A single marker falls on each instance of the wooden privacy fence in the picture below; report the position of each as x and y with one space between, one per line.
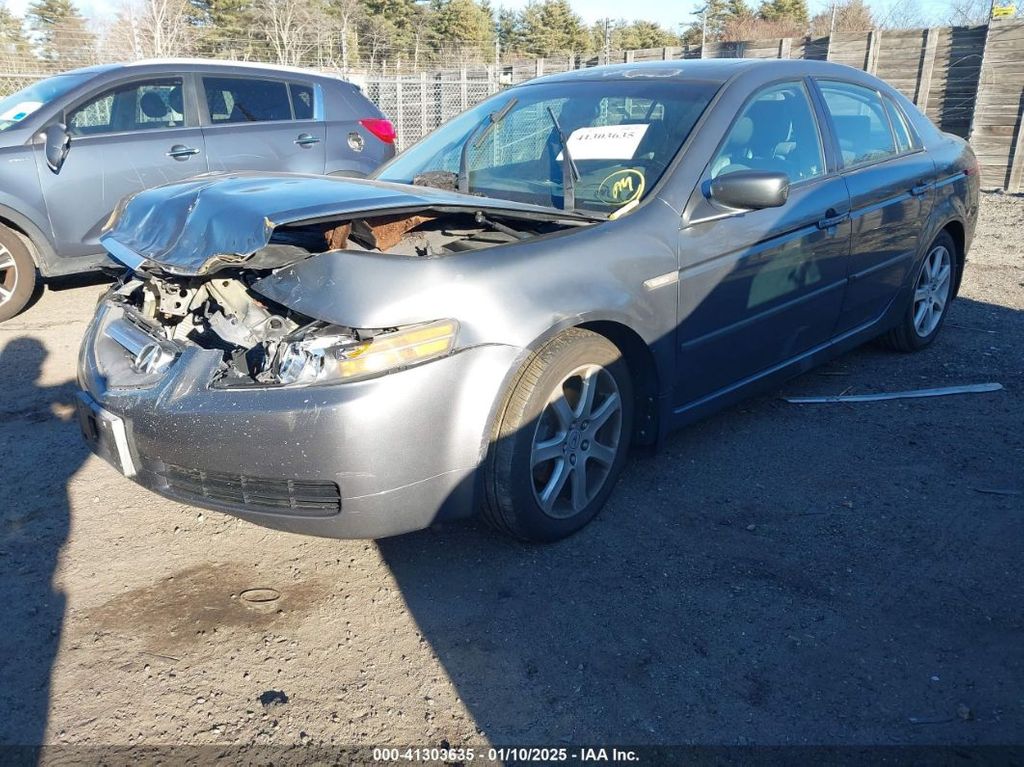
968 80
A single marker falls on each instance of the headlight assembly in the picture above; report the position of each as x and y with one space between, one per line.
331 357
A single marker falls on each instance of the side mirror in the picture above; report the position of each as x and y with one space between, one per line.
56 143
751 189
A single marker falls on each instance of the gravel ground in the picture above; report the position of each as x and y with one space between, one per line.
777 574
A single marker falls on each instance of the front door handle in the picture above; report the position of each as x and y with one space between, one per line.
920 188
181 152
832 219
307 139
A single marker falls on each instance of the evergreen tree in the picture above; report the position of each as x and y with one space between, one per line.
226 26
710 21
13 43
737 10
60 32
550 27
785 10
643 34
509 28
461 25
390 28
624 36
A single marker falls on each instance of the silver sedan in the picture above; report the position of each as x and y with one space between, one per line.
576 265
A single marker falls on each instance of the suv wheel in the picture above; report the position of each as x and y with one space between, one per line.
17 274
563 439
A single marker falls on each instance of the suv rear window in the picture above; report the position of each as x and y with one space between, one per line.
240 100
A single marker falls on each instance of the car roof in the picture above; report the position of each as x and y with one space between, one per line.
190 65
704 70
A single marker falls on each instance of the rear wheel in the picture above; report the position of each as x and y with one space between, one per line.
18 276
929 304
563 439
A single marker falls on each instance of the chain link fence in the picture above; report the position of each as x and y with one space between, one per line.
417 104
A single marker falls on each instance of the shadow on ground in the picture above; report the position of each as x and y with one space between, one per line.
34 523
776 574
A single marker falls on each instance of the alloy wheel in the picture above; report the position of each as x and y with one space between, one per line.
576 441
8 275
932 291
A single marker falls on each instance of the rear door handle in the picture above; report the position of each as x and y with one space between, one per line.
306 139
920 188
182 152
832 219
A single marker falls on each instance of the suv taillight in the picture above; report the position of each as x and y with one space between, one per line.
381 128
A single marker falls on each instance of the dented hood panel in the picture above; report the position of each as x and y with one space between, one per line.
198 226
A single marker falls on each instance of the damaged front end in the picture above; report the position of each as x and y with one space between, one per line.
261 344
268 336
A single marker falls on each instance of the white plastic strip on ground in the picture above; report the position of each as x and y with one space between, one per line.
940 392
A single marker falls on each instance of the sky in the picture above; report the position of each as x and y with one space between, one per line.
668 13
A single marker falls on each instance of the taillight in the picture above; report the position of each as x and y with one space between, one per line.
974 167
381 128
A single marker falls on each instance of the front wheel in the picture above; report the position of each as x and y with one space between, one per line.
562 440
18 276
929 304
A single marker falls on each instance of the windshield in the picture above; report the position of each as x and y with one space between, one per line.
20 105
621 136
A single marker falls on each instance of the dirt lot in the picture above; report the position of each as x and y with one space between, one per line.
785 574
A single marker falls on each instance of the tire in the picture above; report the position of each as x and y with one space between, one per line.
18 276
930 300
583 443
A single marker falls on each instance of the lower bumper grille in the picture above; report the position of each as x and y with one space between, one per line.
303 497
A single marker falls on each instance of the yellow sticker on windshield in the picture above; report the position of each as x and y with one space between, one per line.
621 187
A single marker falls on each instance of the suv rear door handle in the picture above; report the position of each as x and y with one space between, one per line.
920 188
306 139
182 152
832 219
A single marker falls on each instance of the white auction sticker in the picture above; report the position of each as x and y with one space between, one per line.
19 112
606 142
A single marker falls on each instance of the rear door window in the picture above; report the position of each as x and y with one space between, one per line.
138 106
244 99
860 122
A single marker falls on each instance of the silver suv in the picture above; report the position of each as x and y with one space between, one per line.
73 145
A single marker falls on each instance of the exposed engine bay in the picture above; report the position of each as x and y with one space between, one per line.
265 343
423 234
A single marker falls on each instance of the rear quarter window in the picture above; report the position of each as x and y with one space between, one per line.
303 101
900 128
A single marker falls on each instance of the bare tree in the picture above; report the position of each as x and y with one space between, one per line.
846 16
159 28
291 28
755 28
902 14
966 13
346 13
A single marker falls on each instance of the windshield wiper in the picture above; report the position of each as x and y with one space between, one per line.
570 173
484 129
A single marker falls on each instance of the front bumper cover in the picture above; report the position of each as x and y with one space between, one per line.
401 450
